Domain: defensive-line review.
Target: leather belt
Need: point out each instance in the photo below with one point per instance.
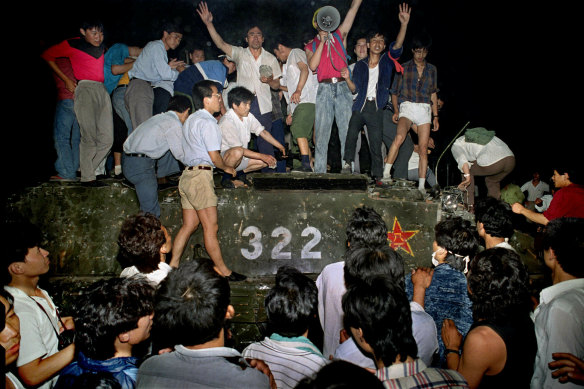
(138, 155)
(200, 167)
(333, 80)
(370, 98)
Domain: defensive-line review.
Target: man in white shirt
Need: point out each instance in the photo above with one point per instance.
(236, 126)
(535, 189)
(559, 318)
(302, 86)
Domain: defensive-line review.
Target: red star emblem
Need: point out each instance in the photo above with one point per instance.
(398, 239)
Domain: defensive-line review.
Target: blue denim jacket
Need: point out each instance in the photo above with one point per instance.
(361, 78)
(446, 298)
(124, 370)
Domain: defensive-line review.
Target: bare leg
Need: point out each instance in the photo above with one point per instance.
(303, 146)
(190, 224)
(208, 217)
(403, 126)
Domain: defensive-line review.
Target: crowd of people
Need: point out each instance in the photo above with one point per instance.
(471, 320)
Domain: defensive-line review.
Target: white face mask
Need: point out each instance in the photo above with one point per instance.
(434, 260)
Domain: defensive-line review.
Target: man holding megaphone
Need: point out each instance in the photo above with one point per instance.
(328, 57)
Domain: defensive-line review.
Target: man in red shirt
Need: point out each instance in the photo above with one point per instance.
(92, 103)
(568, 200)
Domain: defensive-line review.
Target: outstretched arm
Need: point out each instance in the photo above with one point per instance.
(528, 213)
(345, 27)
(404, 19)
(314, 58)
(207, 18)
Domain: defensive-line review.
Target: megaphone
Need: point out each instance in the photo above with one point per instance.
(327, 18)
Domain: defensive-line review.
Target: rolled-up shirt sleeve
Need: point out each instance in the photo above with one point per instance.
(459, 154)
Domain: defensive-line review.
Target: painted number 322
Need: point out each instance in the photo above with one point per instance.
(279, 250)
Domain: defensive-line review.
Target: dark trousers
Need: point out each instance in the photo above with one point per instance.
(371, 117)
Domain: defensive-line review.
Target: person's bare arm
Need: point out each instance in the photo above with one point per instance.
(535, 217)
(134, 51)
(271, 140)
(314, 58)
(404, 19)
(421, 280)
(346, 74)
(295, 98)
(42, 369)
(347, 23)
(207, 18)
(69, 83)
(123, 68)
(219, 163)
(434, 99)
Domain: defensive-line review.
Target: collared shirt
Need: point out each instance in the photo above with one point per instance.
(535, 192)
(201, 134)
(290, 359)
(37, 328)
(156, 136)
(559, 327)
(248, 74)
(567, 202)
(484, 155)
(409, 86)
(236, 132)
(416, 374)
(115, 55)
(152, 66)
(292, 76)
(154, 277)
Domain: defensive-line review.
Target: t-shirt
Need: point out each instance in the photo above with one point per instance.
(236, 132)
(333, 49)
(292, 76)
(535, 192)
(567, 202)
(87, 60)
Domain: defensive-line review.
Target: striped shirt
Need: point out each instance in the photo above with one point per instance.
(408, 86)
(415, 374)
(290, 359)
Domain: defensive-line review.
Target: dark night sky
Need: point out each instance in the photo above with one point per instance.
(476, 47)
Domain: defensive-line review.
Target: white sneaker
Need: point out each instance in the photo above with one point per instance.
(346, 169)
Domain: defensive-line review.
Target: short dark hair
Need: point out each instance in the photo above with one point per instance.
(179, 103)
(140, 240)
(499, 285)
(191, 303)
(292, 303)
(201, 90)
(381, 310)
(281, 39)
(496, 216)
(372, 33)
(110, 308)
(171, 27)
(366, 263)
(566, 237)
(239, 95)
(421, 41)
(457, 236)
(567, 166)
(340, 374)
(366, 227)
(89, 23)
(18, 237)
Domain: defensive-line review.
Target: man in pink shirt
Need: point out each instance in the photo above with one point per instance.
(92, 103)
(327, 56)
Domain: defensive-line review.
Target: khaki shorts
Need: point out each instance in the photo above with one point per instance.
(197, 189)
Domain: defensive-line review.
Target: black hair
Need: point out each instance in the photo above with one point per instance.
(566, 166)
(496, 216)
(372, 33)
(281, 39)
(366, 227)
(170, 27)
(110, 308)
(89, 23)
(140, 240)
(292, 303)
(179, 103)
(201, 90)
(191, 303)
(366, 263)
(566, 237)
(499, 285)
(457, 236)
(421, 41)
(239, 95)
(17, 237)
(341, 374)
(381, 310)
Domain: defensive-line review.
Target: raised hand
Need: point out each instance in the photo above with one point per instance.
(204, 13)
(404, 13)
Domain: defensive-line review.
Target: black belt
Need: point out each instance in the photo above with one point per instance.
(138, 155)
(200, 167)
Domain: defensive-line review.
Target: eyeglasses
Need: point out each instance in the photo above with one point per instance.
(218, 95)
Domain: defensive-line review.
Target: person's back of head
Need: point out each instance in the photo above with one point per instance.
(191, 303)
(179, 103)
(111, 308)
(239, 95)
(366, 227)
(140, 240)
(365, 263)
(459, 239)
(499, 285)
(565, 236)
(381, 311)
(496, 217)
(18, 237)
(292, 303)
(201, 90)
(341, 374)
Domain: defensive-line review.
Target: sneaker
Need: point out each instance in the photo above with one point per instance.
(386, 180)
(57, 178)
(302, 169)
(235, 277)
(346, 169)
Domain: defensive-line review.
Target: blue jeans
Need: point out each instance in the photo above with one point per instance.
(142, 171)
(333, 102)
(66, 136)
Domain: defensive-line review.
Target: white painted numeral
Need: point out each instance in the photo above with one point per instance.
(306, 253)
(277, 252)
(255, 242)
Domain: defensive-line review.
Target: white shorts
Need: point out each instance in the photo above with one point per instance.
(418, 113)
